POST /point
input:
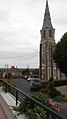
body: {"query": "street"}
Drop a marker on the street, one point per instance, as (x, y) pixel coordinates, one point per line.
(63, 105)
(23, 85)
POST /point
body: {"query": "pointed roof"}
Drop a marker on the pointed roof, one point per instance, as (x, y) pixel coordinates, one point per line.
(47, 18)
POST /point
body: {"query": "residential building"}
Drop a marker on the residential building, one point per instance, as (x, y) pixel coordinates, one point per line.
(15, 73)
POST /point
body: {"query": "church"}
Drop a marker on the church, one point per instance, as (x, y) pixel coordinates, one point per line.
(47, 66)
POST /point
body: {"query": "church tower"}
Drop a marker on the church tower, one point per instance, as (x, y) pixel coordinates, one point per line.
(46, 45)
(47, 66)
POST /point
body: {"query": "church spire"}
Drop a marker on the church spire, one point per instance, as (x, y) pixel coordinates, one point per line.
(47, 18)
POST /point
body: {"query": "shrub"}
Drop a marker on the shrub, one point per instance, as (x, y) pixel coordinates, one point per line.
(31, 108)
(36, 87)
(51, 90)
(8, 76)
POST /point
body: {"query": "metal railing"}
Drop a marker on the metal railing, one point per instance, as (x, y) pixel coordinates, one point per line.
(54, 115)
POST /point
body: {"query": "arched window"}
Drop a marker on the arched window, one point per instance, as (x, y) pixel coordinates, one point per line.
(50, 33)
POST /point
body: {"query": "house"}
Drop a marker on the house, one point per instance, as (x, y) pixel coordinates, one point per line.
(15, 73)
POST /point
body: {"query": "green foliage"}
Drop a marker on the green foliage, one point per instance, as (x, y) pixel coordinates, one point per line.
(35, 71)
(60, 82)
(44, 90)
(50, 84)
(31, 108)
(51, 90)
(30, 72)
(8, 76)
(53, 93)
(58, 99)
(36, 87)
(26, 71)
(60, 54)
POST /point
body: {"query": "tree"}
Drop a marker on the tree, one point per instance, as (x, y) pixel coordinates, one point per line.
(8, 76)
(26, 71)
(60, 54)
(35, 71)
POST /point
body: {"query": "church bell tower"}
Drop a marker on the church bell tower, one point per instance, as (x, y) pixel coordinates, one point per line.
(46, 45)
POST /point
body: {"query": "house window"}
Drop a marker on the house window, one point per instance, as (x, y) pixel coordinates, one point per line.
(50, 33)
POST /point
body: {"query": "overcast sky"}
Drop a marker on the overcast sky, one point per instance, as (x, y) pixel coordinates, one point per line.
(20, 25)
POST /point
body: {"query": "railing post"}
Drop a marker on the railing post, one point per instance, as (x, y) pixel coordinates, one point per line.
(54, 117)
(16, 97)
(6, 88)
(47, 115)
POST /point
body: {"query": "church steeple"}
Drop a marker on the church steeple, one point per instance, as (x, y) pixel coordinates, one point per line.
(47, 18)
(47, 31)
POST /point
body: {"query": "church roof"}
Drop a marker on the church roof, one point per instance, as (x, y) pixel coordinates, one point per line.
(47, 18)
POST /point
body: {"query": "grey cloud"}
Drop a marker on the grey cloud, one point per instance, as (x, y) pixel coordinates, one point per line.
(21, 21)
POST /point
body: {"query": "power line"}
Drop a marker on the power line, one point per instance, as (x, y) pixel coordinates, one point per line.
(25, 56)
(23, 60)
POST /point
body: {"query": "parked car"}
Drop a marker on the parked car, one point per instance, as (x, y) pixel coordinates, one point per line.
(30, 79)
(35, 83)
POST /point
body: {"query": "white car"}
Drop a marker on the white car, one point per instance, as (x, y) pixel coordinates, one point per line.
(30, 79)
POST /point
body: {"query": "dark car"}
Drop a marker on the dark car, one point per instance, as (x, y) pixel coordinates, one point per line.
(30, 79)
(35, 84)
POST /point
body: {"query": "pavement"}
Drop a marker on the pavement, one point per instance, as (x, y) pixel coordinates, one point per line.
(2, 114)
(62, 89)
(10, 101)
(63, 105)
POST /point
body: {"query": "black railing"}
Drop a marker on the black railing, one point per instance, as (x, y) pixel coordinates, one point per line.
(54, 115)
